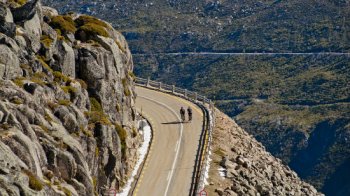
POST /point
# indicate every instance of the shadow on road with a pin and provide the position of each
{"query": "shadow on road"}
(174, 122)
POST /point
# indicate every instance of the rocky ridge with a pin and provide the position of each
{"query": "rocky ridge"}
(67, 117)
(246, 167)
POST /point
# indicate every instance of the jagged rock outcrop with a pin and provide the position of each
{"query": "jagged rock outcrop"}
(67, 121)
(242, 166)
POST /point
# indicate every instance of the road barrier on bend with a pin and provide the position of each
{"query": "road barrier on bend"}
(200, 172)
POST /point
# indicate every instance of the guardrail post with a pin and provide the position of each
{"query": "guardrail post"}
(148, 79)
(173, 89)
(211, 105)
(195, 96)
(185, 93)
(160, 85)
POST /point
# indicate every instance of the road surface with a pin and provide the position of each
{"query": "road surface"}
(169, 166)
(246, 53)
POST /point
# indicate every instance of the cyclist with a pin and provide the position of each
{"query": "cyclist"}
(189, 111)
(182, 113)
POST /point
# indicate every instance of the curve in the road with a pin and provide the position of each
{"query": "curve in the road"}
(178, 143)
(171, 164)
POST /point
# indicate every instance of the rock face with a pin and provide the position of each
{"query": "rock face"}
(242, 166)
(67, 118)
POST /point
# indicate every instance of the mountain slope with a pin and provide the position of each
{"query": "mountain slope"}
(280, 99)
(67, 117)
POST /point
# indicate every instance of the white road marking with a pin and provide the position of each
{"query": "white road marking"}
(177, 143)
(168, 176)
(178, 146)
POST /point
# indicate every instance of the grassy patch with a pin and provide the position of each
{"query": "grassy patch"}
(41, 60)
(46, 41)
(126, 88)
(96, 115)
(82, 83)
(18, 2)
(122, 136)
(17, 101)
(64, 102)
(60, 77)
(34, 182)
(66, 191)
(220, 152)
(69, 89)
(19, 81)
(92, 27)
(64, 23)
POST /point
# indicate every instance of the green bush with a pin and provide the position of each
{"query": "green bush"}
(34, 182)
(60, 77)
(64, 23)
(91, 27)
(85, 19)
(19, 81)
(18, 2)
(126, 88)
(69, 89)
(92, 30)
(46, 41)
(122, 136)
(41, 60)
(95, 105)
(96, 115)
(64, 102)
(82, 83)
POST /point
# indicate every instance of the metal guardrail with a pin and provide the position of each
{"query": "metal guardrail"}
(202, 159)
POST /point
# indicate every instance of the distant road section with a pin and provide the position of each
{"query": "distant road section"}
(170, 164)
(251, 54)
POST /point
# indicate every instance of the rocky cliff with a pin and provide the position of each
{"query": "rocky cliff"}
(67, 122)
(242, 166)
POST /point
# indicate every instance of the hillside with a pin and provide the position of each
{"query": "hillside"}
(67, 119)
(241, 165)
(198, 25)
(283, 100)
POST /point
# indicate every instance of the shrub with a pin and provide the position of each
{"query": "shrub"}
(95, 105)
(126, 88)
(92, 30)
(46, 41)
(85, 19)
(91, 27)
(44, 128)
(64, 23)
(39, 78)
(18, 2)
(19, 81)
(69, 89)
(120, 46)
(60, 77)
(85, 131)
(82, 83)
(17, 101)
(34, 182)
(98, 117)
(122, 136)
(67, 191)
(64, 102)
(41, 60)
(52, 105)
(97, 151)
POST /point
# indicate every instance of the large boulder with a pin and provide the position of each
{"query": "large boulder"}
(9, 63)
(33, 31)
(65, 59)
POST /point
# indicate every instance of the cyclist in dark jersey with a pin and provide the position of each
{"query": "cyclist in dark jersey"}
(189, 111)
(182, 113)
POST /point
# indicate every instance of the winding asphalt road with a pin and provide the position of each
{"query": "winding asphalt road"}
(169, 166)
